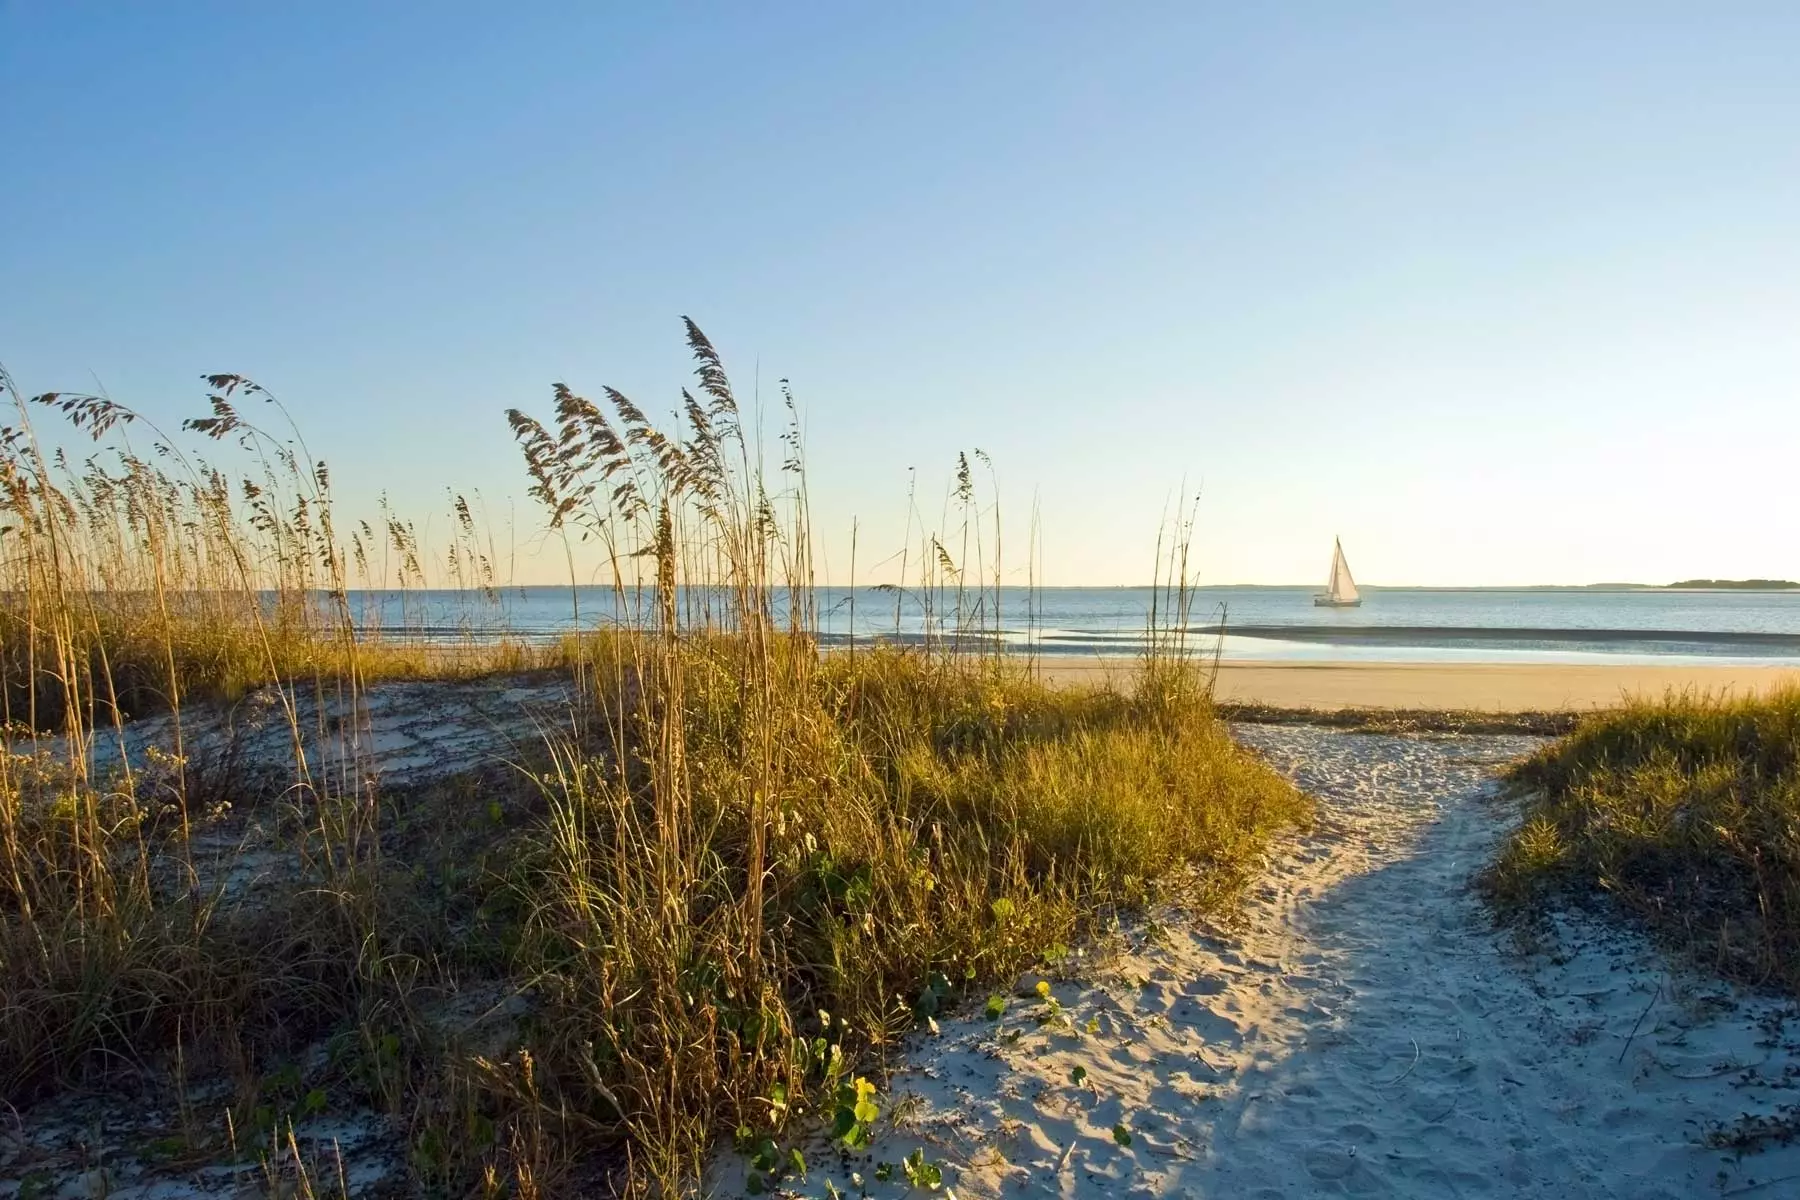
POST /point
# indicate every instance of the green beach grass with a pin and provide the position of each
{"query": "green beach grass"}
(1687, 812)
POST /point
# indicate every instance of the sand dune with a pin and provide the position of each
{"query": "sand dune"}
(1367, 1032)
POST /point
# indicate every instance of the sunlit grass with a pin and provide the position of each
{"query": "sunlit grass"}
(711, 905)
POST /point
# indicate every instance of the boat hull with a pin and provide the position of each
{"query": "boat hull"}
(1328, 602)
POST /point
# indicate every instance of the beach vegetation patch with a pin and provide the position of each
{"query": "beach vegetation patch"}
(1686, 812)
(713, 896)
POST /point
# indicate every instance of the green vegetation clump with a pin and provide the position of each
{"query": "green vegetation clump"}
(707, 905)
(1687, 811)
(921, 829)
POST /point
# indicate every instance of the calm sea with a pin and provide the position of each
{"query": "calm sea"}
(1393, 624)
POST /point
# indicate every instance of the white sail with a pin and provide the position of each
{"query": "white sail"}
(1341, 587)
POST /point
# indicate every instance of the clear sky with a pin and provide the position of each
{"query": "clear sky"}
(1508, 296)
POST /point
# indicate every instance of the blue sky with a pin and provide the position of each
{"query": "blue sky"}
(1502, 297)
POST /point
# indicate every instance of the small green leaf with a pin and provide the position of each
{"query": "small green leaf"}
(1002, 908)
(797, 1160)
(996, 1007)
(884, 1171)
(754, 1184)
(167, 1147)
(921, 1172)
(1077, 1075)
(1121, 1135)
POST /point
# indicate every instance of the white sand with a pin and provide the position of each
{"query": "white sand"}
(1367, 1033)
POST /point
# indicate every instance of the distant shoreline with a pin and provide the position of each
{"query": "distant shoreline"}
(1449, 636)
(1638, 644)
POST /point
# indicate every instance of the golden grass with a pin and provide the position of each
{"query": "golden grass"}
(734, 882)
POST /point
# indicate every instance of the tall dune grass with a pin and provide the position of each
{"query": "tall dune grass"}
(743, 873)
(1685, 810)
(140, 577)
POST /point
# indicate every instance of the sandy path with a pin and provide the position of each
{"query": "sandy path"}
(1366, 1033)
(1488, 687)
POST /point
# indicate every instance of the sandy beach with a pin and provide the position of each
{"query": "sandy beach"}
(1483, 687)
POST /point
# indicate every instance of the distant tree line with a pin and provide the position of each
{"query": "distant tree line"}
(1748, 585)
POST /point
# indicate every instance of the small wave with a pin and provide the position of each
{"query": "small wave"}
(1667, 641)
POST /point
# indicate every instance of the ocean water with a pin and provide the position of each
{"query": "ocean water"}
(1254, 623)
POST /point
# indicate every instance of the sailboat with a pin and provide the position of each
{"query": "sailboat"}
(1340, 590)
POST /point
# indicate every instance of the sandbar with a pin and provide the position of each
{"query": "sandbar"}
(1476, 687)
